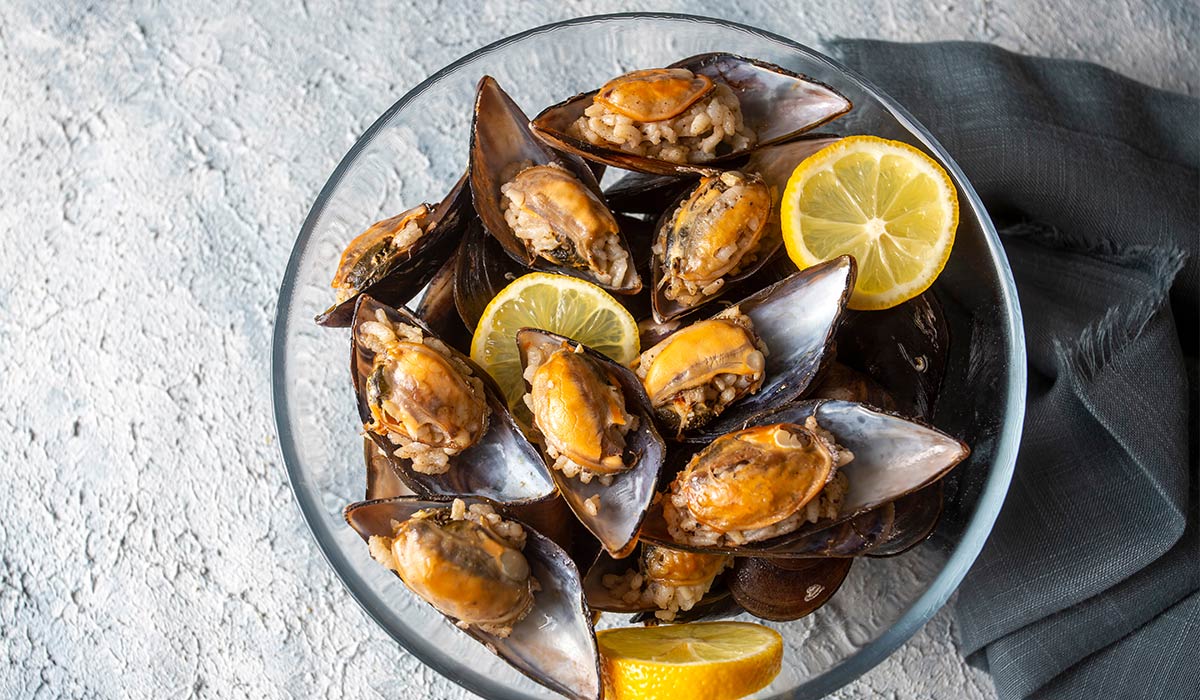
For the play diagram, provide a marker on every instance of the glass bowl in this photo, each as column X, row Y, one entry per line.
column 416, row 150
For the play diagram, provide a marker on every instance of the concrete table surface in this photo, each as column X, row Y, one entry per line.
column 157, row 164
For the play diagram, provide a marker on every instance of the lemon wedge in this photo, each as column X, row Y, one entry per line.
column 565, row 305
column 886, row 203
column 712, row 660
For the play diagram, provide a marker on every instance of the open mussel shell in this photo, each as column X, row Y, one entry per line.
column 400, row 281
column 623, row 503
column 796, row 318
column 502, row 465
column 554, row 644
column 916, row 516
column 646, row 194
column 893, row 457
column 776, row 104
column 382, row 481
column 779, row 590
column 776, row 163
column 438, row 310
column 482, row 269
column 502, row 145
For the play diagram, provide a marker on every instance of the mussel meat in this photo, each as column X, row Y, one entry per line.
column 666, row 582
column 421, row 396
column 579, row 411
column 594, row 423
column 713, row 237
column 693, row 374
column 394, row 258
column 495, row 578
column 466, row 562
column 757, row 484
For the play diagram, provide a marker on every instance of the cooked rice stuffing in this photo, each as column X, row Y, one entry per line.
column 692, row 137
column 640, row 589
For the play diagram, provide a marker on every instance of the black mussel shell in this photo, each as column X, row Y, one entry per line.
column 783, row 590
column 500, row 140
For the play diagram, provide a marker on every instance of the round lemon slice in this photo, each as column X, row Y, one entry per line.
column 565, row 305
column 886, row 203
column 712, row 660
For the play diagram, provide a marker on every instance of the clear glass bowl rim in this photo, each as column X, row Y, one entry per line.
column 990, row 499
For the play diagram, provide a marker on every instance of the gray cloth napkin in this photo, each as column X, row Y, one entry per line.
column 1090, row 583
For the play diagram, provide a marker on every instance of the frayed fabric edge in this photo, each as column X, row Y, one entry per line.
column 1101, row 341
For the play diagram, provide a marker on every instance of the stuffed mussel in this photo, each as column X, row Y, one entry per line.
column 436, row 415
column 497, row 579
column 691, row 116
column 545, row 207
column 715, row 237
column 819, row 464
column 761, row 352
column 394, row 258
column 671, row 585
column 593, row 421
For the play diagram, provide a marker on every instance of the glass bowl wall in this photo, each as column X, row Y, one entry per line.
column 414, row 153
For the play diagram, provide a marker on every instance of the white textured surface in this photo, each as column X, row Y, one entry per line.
column 156, row 164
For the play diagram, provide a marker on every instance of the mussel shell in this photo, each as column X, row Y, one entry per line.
column 776, row 103
column 796, row 318
column 502, row 466
column 917, row 515
column 482, row 269
column 555, row 644
column 407, row 276
column 893, row 457
column 669, row 309
column 775, row 163
column 904, row 348
column 438, row 310
column 774, row 592
column 500, row 138
column 623, row 502
column 382, row 481
column 552, row 517
column 837, row 381
column 767, row 91
column 643, row 193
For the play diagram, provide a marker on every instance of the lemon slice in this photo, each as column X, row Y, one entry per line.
column 565, row 305
column 712, row 660
column 889, row 205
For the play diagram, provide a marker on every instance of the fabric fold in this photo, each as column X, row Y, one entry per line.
column 1089, row 578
